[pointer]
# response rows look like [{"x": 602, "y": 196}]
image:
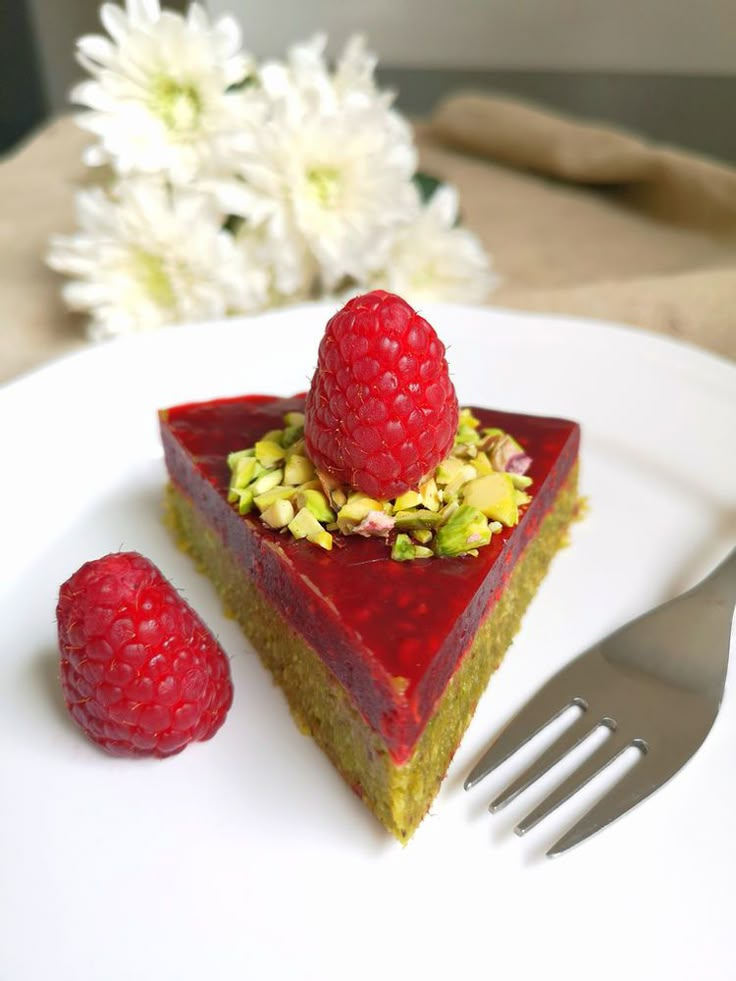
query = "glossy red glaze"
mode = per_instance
[{"x": 392, "y": 632}]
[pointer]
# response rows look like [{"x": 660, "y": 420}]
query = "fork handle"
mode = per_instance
[
  {"x": 686, "y": 640},
  {"x": 720, "y": 585}
]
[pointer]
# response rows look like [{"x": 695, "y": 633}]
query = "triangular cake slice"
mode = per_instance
[{"x": 383, "y": 662}]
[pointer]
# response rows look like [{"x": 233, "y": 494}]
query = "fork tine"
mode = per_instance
[
  {"x": 548, "y": 704},
  {"x": 589, "y": 768},
  {"x": 569, "y": 739},
  {"x": 648, "y": 775}
]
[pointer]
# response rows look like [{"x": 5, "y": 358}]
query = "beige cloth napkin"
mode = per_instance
[
  {"x": 37, "y": 186},
  {"x": 579, "y": 219},
  {"x": 587, "y": 220}
]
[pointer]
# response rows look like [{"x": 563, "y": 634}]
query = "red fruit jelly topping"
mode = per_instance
[{"x": 393, "y": 633}]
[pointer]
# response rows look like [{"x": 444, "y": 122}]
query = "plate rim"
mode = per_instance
[{"x": 434, "y": 311}]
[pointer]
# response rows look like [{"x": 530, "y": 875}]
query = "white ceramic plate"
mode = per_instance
[{"x": 247, "y": 857}]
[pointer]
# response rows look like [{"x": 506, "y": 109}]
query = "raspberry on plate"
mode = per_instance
[
  {"x": 141, "y": 673},
  {"x": 381, "y": 411}
]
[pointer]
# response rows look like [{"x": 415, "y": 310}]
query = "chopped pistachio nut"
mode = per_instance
[
  {"x": 430, "y": 494},
  {"x": 466, "y": 418},
  {"x": 339, "y": 497},
  {"x": 417, "y": 520},
  {"x": 329, "y": 484},
  {"x": 245, "y": 470},
  {"x": 467, "y": 434},
  {"x": 267, "y": 498},
  {"x": 448, "y": 470},
  {"x": 304, "y": 523},
  {"x": 504, "y": 448},
  {"x": 296, "y": 447},
  {"x": 279, "y": 514},
  {"x": 467, "y": 529},
  {"x": 376, "y": 524},
  {"x": 233, "y": 459},
  {"x": 489, "y": 437},
  {"x": 245, "y": 504},
  {"x": 521, "y": 481},
  {"x": 452, "y": 490},
  {"x": 495, "y": 496},
  {"x": 448, "y": 510},
  {"x": 409, "y": 499},
  {"x": 292, "y": 435},
  {"x": 298, "y": 469},
  {"x": 268, "y": 452},
  {"x": 454, "y": 511},
  {"x": 323, "y": 539},
  {"x": 482, "y": 465},
  {"x": 357, "y": 507},
  {"x": 466, "y": 451},
  {"x": 271, "y": 478},
  {"x": 404, "y": 550},
  {"x": 467, "y": 429},
  {"x": 316, "y": 502}
]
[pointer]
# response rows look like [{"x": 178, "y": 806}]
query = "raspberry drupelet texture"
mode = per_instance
[
  {"x": 141, "y": 674},
  {"x": 381, "y": 411}
]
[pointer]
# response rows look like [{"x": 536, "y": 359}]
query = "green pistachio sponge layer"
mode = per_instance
[{"x": 399, "y": 795}]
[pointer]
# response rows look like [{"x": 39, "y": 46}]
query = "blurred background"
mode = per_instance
[{"x": 664, "y": 68}]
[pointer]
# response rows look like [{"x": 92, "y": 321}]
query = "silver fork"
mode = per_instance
[{"x": 656, "y": 684}]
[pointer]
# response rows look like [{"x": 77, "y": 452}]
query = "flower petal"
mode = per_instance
[
  {"x": 97, "y": 49},
  {"x": 143, "y": 13},
  {"x": 114, "y": 21}
]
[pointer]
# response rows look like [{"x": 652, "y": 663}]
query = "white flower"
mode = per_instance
[
  {"x": 327, "y": 170},
  {"x": 150, "y": 256},
  {"x": 305, "y": 77},
  {"x": 160, "y": 98},
  {"x": 433, "y": 258},
  {"x": 289, "y": 270},
  {"x": 311, "y": 162}
]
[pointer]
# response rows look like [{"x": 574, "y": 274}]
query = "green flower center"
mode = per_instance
[
  {"x": 324, "y": 183},
  {"x": 154, "y": 280},
  {"x": 179, "y": 105}
]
